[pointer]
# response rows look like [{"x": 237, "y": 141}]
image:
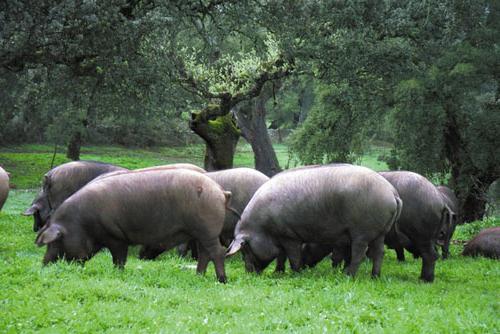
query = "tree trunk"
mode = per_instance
[
  {"x": 251, "y": 118},
  {"x": 475, "y": 199},
  {"x": 74, "y": 146},
  {"x": 221, "y": 136}
]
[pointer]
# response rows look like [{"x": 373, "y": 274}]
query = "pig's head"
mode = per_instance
[
  {"x": 40, "y": 210},
  {"x": 258, "y": 250},
  {"x": 63, "y": 242}
]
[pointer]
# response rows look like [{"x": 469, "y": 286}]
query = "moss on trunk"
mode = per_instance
[{"x": 220, "y": 133}]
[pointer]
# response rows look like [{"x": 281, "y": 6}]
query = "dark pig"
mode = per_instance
[
  {"x": 165, "y": 208},
  {"x": 424, "y": 216},
  {"x": 320, "y": 204},
  {"x": 60, "y": 183},
  {"x": 486, "y": 243}
]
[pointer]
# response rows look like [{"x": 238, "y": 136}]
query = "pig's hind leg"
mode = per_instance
[{"x": 212, "y": 250}]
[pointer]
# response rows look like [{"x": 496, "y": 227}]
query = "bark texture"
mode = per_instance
[{"x": 251, "y": 118}]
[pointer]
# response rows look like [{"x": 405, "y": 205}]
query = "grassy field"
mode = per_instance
[{"x": 167, "y": 296}]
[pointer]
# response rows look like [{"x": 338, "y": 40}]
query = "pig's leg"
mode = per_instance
[
  {"x": 182, "y": 250},
  {"x": 429, "y": 257},
  {"x": 203, "y": 259},
  {"x": 52, "y": 255},
  {"x": 400, "y": 253},
  {"x": 217, "y": 254},
  {"x": 193, "y": 246},
  {"x": 151, "y": 252},
  {"x": 341, "y": 253},
  {"x": 337, "y": 258},
  {"x": 376, "y": 254},
  {"x": 119, "y": 251},
  {"x": 293, "y": 250},
  {"x": 280, "y": 262},
  {"x": 358, "y": 251}
]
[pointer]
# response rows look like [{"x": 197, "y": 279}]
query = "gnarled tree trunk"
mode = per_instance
[
  {"x": 251, "y": 117},
  {"x": 221, "y": 136}
]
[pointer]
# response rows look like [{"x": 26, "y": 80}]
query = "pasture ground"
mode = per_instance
[{"x": 167, "y": 296}]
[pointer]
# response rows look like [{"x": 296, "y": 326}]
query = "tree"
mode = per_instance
[
  {"x": 70, "y": 39},
  {"x": 219, "y": 78}
]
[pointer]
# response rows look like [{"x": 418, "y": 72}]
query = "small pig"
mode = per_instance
[
  {"x": 486, "y": 243},
  {"x": 167, "y": 208}
]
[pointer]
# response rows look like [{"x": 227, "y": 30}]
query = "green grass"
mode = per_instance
[{"x": 167, "y": 296}]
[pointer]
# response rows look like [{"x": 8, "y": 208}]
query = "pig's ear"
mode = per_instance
[
  {"x": 31, "y": 210},
  {"x": 48, "y": 235},
  {"x": 236, "y": 245}
]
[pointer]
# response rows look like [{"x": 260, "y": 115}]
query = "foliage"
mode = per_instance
[
  {"x": 291, "y": 103},
  {"x": 334, "y": 111},
  {"x": 167, "y": 295}
]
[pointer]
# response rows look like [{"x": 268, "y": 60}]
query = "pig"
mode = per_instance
[
  {"x": 166, "y": 207},
  {"x": 242, "y": 183},
  {"x": 320, "y": 204},
  {"x": 425, "y": 214},
  {"x": 60, "y": 183},
  {"x": 4, "y": 186},
  {"x": 452, "y": 202},
  {"x": 486, "y": 243}
]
